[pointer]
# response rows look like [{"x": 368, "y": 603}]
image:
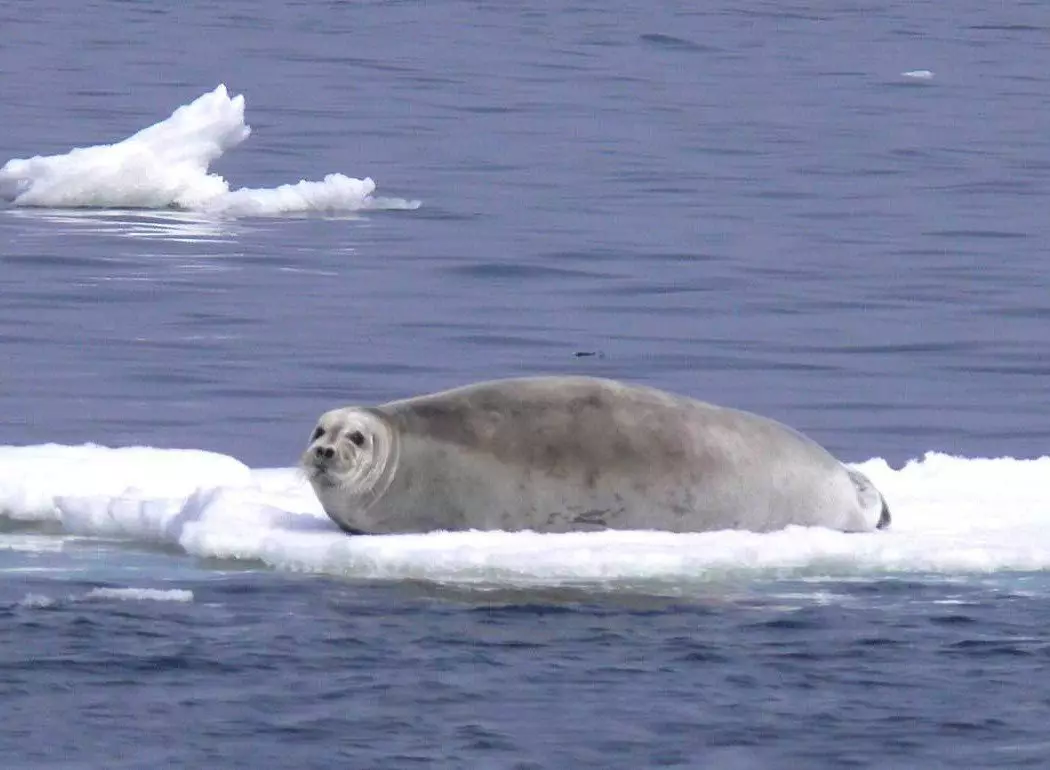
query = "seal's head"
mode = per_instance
[{"x": 350, "y": 461}]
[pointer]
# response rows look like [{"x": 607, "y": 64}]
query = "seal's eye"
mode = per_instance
[
  {"x": 357, "y": 437},
  {"x": 317, "y": 433}
]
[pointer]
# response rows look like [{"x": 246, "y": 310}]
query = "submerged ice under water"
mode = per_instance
[
  {"x": 951, "y": 515},
  {"x": 167, "y": 165}
]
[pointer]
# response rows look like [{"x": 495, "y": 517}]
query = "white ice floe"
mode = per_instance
[
  {"x": 166, "y": 166},
  {"x": 951, "y": 515}
]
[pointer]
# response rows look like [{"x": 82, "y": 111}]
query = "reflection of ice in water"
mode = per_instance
[
  {"x": 952, "y": 516},
  {"x": 165, "y": 166},
  {"x": 162, "y": 224}
]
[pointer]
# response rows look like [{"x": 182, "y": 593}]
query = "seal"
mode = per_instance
[{"x": 564, "y": 454}]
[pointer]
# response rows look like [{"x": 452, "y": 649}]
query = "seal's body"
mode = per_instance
[{"x": 562, "y": 454}]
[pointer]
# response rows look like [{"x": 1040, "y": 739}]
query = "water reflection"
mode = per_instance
[{"x": 165, "y": 225}]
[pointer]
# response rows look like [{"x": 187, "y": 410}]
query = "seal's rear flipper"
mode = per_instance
[
  {"x": 884, "y": 517},
  {"x": 870, "y": 500}
]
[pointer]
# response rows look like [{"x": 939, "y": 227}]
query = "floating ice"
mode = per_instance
[
  {"x": 34, "y": 480},
  {"x": 918, "y": 75},
  {"x": 41, "y": 601},
  {"x": 951, "y": 515},
  {"x": 36, "y": 601},
  {"x": 166, "y": 166},
  {"x": 141, "y": 594}
]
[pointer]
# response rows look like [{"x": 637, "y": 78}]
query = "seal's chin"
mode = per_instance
[{"x": 320, "y": 475}]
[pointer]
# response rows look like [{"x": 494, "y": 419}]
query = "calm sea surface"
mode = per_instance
[{"x": 834, "y": 214}]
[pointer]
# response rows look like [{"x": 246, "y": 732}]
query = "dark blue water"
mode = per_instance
[
  {"x": 313, "y": 673},
  {"x": 748, "y": 203}
]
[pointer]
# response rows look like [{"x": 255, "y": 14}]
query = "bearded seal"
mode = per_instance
[{"x": 562, "y": 454}]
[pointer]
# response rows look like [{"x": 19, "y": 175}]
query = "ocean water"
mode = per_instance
[{"x": 219, "y": 220}]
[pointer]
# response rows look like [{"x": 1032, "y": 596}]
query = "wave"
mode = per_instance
[
  {"x": 165, "y": 166},
  {"x": 952, "y": 515}
]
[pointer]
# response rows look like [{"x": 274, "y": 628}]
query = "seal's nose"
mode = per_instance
[{"x": 324, "y": 452}]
